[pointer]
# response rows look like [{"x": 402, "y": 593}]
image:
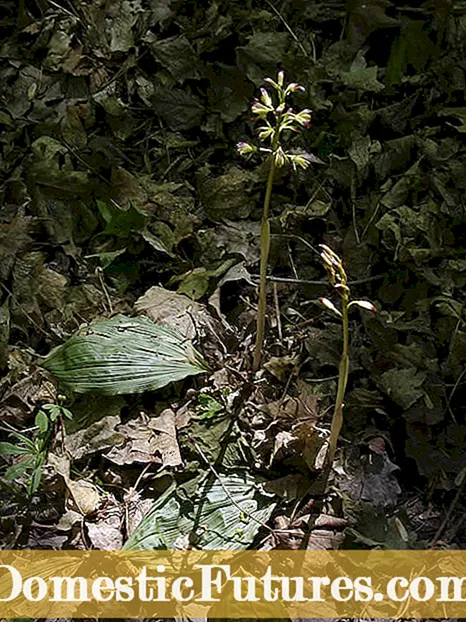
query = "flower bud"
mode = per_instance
[
  {"x": 329, "y": 256},
  {"x": 265, "y": 132},
  {"x": 364, "y": 304},
  {"x": 328, "y": 304},
  {"x": 304, "y": 117},
  {"x": 245, "y": 149},
  {"x": 299, "y": 160},
  {"x": 281, "y": 78},
  {"x": 280, "y": 157},
  {"x": 293, "y": 87},
  {"x": 266, "y": 99},
  {"x": 272, "y": 83},
  {"x": 259, "y": 109}
]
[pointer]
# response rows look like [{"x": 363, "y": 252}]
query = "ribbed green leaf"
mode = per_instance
[
  {"x": 123, "y": 355},
  {"x": 210, "y": 517}
]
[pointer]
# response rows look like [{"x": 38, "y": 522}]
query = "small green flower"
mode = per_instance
[
  {"x": 246, "y": 149},
  {"x": 277, "y": 117}
]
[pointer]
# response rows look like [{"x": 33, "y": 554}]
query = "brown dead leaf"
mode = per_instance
[
  {"x": 148, "y": 439},
  {"x": 69, "y": 520},
  {"x": 21, "y": 399},
  {"x": 292, "y": 486},
  {"x": 176, "y": 311},
  {"x": 316, "y": 532},
  {"x": 105, "y": 534},
  {"x": 83, "y": 497},
  {"x": 94, "y": 437},
  {"x": 307, "y": 402},
  {"x": 136, "y": 509},
  {"x": 370, "y": 476},
  {"x": 281, "y": 366}
]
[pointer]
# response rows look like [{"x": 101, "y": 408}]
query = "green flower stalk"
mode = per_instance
[
  {"x": 277, "y": 118},
  {"x": 338, "y": 278}
]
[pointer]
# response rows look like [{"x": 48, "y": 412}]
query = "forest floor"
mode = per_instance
[{"x": 123, "y": 194}]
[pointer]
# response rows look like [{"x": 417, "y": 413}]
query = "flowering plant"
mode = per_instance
[
  {"x": 338, "y": 278},
  {"x": 276, "y": 118}
]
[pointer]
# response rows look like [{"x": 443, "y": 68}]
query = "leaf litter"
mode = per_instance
[{"x": 122, "y": 195}]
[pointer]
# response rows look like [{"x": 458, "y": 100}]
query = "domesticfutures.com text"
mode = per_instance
[{"x": 212, "y": 580}]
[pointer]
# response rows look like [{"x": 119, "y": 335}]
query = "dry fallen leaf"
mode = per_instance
[
  {"x": 83, "y": 497},
  {"x": 105, "y": 534},
  {"x": 148, "y": 439}
]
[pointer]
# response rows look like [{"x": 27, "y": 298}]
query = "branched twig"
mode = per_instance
[
  {"x": 279, "y": 279},
  {"x": 284, "y": 22}
]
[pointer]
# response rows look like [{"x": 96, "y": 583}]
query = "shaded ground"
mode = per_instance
[{"x": 122, "y": 192}]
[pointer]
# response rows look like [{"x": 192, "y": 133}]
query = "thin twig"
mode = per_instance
[
  {"x": 62, "y": 8},
  {"x": 353, "y": 210},
  {"x": 279, "y": 279},
  {"x": 83, "y": 161},
  {"x": 292, "y": 236},
  {"x": 283, "y": 21},
  {"x": 99, "y": 272},
  {"x": 171, "y": 165},
  {"x": 450, "y": 397},
  {"x": 371, "y": 219},
  {"x": 292, "y": 264},
  {"x": 277, "y": 312},
  {"x": 448, "y": 514},
  {"x": 456, "y": 527},
  {"x": 20, "y": 306}
]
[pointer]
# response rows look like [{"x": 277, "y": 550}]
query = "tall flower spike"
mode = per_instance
[
  {"x": 276, "y": 118},
  {"x": 338, "y": 278}
]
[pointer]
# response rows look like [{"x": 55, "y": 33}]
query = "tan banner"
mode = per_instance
[{"x": 225, "y": 584}]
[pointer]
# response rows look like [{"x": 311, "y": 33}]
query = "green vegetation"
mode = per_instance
[
  {"x": 127, "y": 212},
  {"x": 33, "y": 451},
  {"x": 277, "y": 118}
]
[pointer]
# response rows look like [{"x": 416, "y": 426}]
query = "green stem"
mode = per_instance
[
  {"x": 265, "y": 248},
  {"x": 337, "y": 420}
]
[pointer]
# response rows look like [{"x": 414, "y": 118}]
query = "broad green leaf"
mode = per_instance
[
  {"x": 178, "y": 56},
  {"x": 412, "y": 49},
  {"x": 42, "y": 421},
  {"x": 458, "y": 113},
  {"x": 221, "y": 524},
  {"x": 124, "y": 355},
  {"x": 360, "y": 76},
  {"x": 107, "y": 258},
  {"x": 53, "y": 411},
  {"x": 25, "y": 440},
  {"x": 121, "y": 222}
]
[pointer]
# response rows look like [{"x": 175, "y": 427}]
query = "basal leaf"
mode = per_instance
[
  {"x": 124, "y": 355},
  {"x": 173, "y": 519}
]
